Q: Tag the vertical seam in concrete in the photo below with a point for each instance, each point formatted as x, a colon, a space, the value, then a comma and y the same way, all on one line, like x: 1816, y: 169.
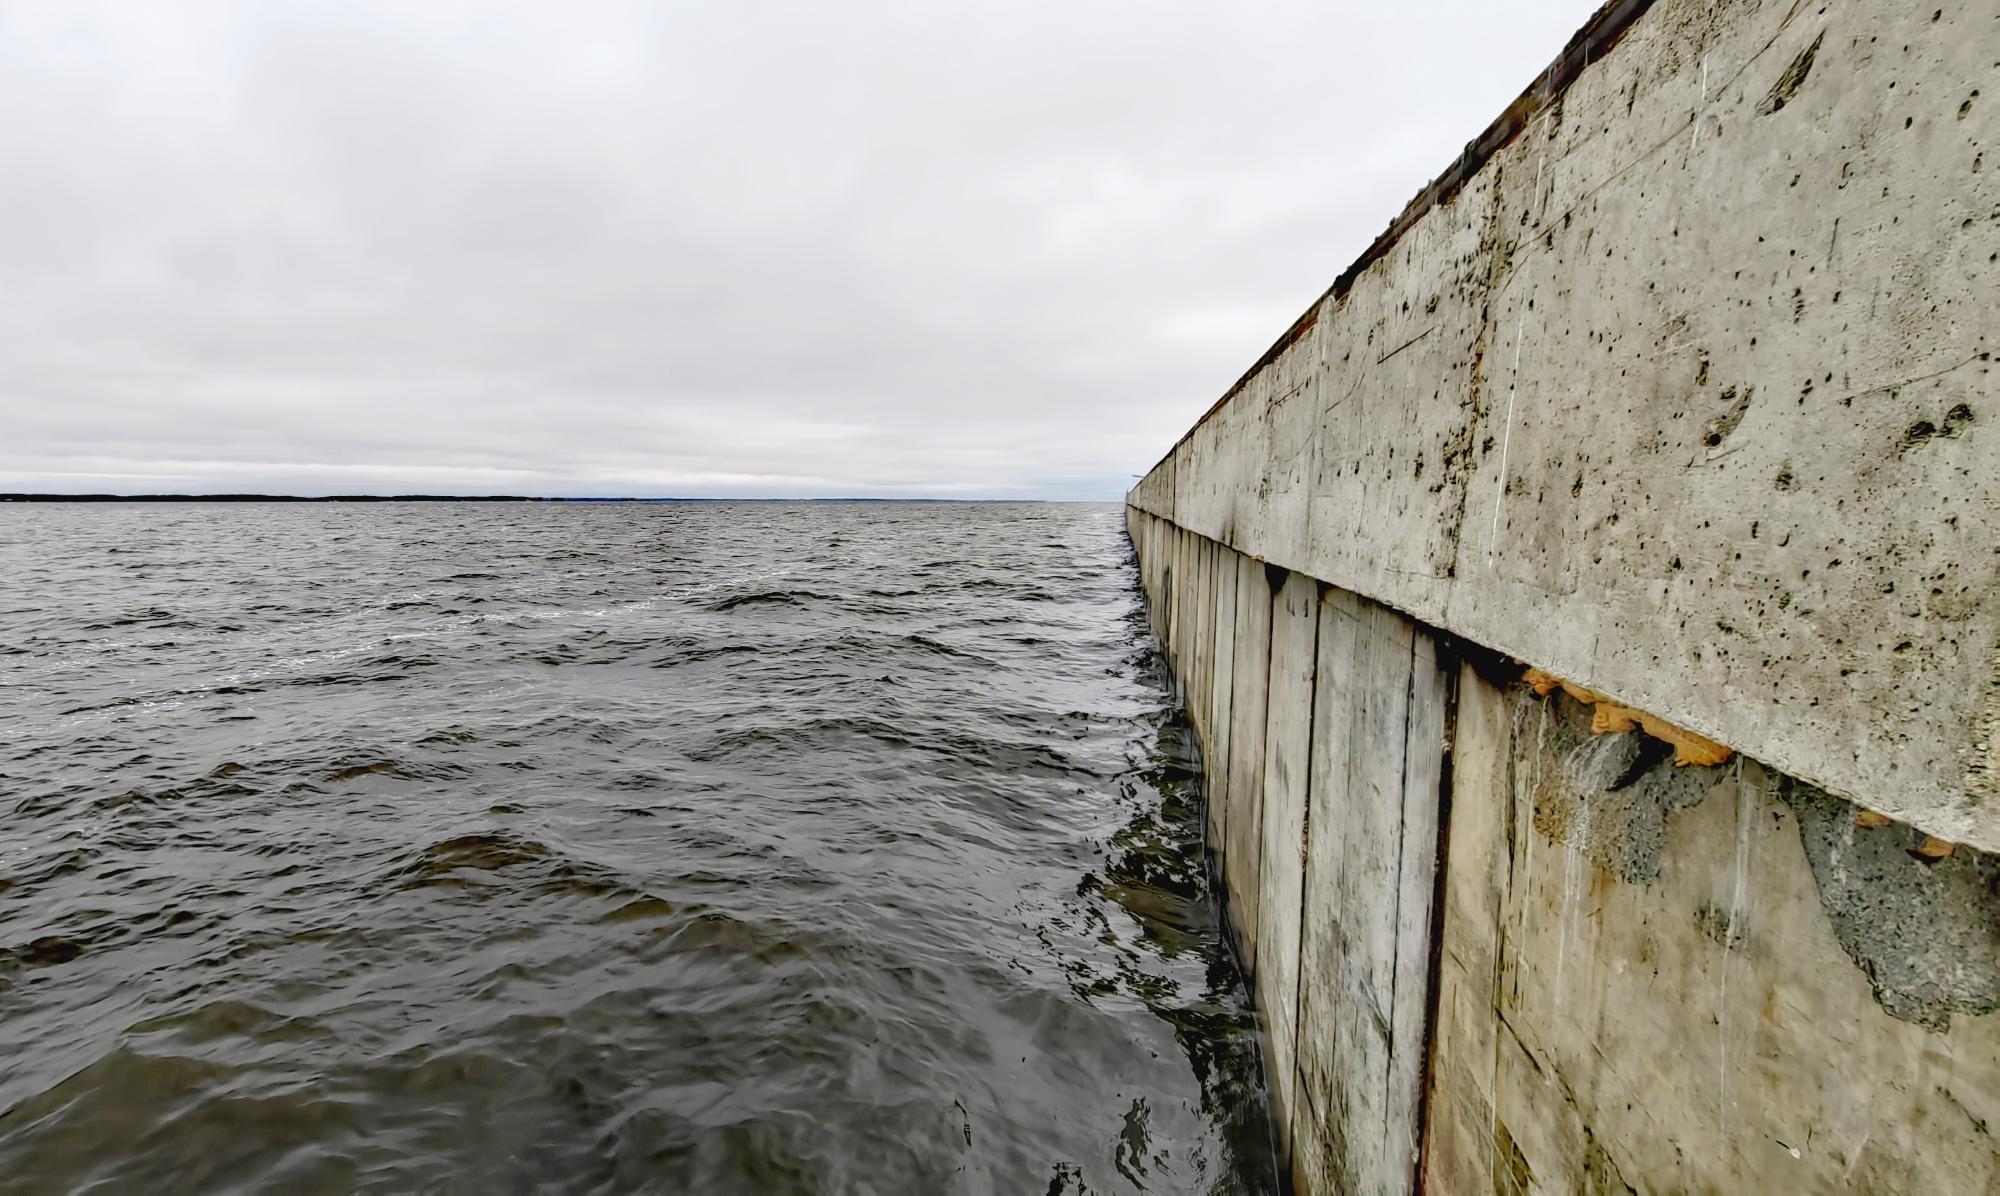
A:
x: 1305, y: 878
x: 1270, y: 622
x: 1228, y: 731
x: 1361, y: 709
x: 1434, y: 979
x: 1494, y: 994
x: 1402, y: 824
x: 1264, y: 738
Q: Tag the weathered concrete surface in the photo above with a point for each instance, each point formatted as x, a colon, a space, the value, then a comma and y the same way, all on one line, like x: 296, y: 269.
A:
x: 1496, y: 950
x: 1366, y: 907
x: 1921, y: 928
x: 1703, y: 1030
x: 1678, y: 385
x: 1281, y: 851
x: 1243, y: 824
x: 1686, y: 394
x: 1221, y: 702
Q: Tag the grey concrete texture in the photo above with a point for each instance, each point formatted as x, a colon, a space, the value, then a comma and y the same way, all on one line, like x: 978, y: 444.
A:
x: 1322, y: 749
x: 1282, y: 844
x: 1926, y: 931
x: 1223, y: 671
x: 1686, y: 396
x: 1643, y: 977
x: 1704, y: 1026
x: 1243, y: 846
x: 1364, y: 915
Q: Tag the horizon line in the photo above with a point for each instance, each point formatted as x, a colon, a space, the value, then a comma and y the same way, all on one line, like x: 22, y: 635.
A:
x: 246, y: 496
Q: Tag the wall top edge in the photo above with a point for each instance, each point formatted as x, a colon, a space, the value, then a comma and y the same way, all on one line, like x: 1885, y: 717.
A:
x: 1599, y: 35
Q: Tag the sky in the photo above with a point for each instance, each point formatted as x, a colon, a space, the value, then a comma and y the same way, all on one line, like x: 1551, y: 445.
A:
x: 894, y: 248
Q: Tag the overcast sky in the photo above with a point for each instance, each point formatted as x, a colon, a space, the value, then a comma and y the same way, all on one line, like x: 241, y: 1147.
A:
x: 884, y: 247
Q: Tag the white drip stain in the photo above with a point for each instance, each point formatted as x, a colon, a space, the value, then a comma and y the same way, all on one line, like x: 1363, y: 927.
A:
x: 1528, y: 856
x: 1514, y: 384
x: 1696, y: 140
x: 1574, y: 873
x: 1589, y: 768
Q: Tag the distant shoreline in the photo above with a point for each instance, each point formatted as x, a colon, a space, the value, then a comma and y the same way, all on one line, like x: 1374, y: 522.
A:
x: 288, y: 498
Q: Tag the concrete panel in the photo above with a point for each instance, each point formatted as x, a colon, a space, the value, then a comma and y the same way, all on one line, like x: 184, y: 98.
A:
x: 1283, y: 489
x: 1685, y: 395
x: 1204, y: 673
x: 1248, y: 471
x: 1147, y: 561
x: 1465, y: 1151
x: 1155, y: 492
x: 1346, y: 1032
x: 1373, y: 847
x: 1229, y: 564
x: 1416, y: 889
x: 1179, y: 609
x: 1221, y: 501
x: 1151, y: 567
x: 1767, y: 506
x: 1707, y: 1029
x: 1210, y: 478
x: 1281, y: 878
x: 1318, y: 1143
x: 1404, y: 350
x: 1198, y: 629
x: 1244, y: 843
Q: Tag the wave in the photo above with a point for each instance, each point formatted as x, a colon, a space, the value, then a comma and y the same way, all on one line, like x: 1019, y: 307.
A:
x: 758, y: 598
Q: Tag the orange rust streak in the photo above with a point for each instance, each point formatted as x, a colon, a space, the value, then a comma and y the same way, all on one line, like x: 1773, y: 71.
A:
x: 1612, y: 718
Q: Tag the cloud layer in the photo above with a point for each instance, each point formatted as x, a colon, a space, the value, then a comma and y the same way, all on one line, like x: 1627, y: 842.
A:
x: 885, y: 247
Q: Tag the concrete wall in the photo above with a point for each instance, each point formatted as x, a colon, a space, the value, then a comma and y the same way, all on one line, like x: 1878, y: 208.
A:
x: 1685, y: 395
x: 1706, y: 979
x: 1497, y: 950
x: 1322, y: 731
x: 1677, y: 386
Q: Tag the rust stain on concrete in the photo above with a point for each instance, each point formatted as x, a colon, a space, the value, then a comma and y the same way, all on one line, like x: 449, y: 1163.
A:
x: 1611, y: 718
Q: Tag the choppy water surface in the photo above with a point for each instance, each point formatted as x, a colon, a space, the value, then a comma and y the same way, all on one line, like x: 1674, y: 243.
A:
x: 706, y: 848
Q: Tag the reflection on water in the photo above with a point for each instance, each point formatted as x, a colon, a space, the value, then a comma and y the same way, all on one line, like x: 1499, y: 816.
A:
x: 723, y: 847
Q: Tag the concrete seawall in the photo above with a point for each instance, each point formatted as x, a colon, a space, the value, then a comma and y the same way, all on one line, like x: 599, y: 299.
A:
x: 1588, y: 611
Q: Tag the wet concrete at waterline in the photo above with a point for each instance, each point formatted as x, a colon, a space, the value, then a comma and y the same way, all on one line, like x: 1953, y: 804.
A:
x: 719, y: 848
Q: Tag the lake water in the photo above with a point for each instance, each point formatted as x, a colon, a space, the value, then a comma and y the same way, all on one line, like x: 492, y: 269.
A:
x: 594, y: 848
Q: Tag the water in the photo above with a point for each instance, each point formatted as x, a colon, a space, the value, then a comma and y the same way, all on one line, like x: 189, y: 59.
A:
x: 704, y: 848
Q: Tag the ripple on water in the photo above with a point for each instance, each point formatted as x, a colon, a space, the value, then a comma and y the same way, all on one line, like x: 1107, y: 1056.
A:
x: 718, y: 847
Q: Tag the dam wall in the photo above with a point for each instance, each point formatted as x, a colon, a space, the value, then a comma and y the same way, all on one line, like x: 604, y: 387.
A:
x: 1589, y: 611
x: 1496, y: 948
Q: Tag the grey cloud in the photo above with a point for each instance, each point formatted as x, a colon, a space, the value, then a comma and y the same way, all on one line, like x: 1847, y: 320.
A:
x: 748, y: 248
